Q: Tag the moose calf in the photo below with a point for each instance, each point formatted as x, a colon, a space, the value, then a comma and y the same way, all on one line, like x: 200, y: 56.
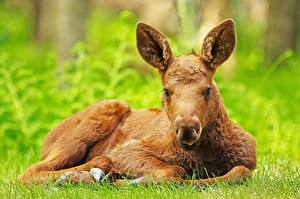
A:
x: 190, y: 135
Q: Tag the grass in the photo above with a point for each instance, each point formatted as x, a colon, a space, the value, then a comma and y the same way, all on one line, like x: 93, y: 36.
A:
x: 263, y: 100
x: 274, y: 178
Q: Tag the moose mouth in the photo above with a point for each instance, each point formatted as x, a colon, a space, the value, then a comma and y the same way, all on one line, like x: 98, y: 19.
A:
x: 188, y: 147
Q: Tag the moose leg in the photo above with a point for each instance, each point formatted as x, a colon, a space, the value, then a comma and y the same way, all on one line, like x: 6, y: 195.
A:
x: 235, y: 175
x: 102, y: 162
x: 145, y: 164
x: 71, y: 148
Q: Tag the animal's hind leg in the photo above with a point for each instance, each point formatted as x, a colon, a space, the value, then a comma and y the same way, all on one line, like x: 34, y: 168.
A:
x: 102, y: 162
x: 70, y: 148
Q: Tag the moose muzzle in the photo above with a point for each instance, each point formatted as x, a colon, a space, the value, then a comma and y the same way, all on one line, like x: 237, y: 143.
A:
x: 188, y: 130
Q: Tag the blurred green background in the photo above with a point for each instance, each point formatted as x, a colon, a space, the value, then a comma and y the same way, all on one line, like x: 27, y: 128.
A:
x: 57, y: 57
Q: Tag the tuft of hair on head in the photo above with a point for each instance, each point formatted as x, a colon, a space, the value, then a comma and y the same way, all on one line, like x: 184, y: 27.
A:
x: 192, y: 52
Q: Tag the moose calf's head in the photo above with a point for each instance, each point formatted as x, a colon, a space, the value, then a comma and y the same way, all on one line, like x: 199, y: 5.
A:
x: 189, y: 96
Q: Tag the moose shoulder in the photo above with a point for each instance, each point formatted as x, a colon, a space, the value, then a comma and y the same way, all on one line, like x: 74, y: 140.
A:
x: 190, y: 134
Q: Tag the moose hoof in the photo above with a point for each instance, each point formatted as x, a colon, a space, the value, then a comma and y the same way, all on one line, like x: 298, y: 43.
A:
x: 86, y: 177
x: 98, y: 174
x: 139, y: 180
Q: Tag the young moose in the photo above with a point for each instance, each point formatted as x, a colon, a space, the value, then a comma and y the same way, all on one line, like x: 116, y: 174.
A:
x: 190, y: 134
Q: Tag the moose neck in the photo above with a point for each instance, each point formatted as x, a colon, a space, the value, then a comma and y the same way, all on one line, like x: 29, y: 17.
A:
x: 219, y: 124
x: 219, y: 113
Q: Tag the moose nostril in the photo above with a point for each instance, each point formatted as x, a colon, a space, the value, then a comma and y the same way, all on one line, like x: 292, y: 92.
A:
x: 186, y: 133
x: 197, y: 130
x: 188, y: 130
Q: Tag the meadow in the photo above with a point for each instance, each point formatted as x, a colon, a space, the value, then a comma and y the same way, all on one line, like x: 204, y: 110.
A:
x: 263, y: 99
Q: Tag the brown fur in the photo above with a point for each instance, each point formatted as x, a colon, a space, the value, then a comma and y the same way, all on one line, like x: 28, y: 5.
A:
x: 191, y: 134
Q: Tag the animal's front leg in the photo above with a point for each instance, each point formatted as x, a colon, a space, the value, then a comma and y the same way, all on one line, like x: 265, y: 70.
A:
x: 157, y: 175
x: 136, y: 158
x: 167, y: 172
x: 155, y: 170
x: 235, y: 175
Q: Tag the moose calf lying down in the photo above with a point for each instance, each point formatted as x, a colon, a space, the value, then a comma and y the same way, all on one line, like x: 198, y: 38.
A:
x: 190, y: 135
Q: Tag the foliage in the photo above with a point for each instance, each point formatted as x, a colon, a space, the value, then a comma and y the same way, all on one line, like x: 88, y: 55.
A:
x: 263, y: 100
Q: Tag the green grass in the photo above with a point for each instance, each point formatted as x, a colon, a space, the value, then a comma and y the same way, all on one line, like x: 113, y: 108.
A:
x: 275, y: 177
x: 264, y: 100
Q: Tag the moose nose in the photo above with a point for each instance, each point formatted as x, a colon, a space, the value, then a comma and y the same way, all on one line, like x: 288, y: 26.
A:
x: 188, y: 130
x: 186, y: 124
x: 188, y: 136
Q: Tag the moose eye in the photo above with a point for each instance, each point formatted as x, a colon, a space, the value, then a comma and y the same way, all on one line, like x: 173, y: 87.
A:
x: 207, y: 92
x: 166, y: 93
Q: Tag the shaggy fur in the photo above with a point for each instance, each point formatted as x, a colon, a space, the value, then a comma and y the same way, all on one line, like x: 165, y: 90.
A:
x: 190, y: 135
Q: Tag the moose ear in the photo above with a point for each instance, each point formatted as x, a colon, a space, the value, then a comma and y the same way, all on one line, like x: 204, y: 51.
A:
x: 153, y: 46
x: 219, y: 44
